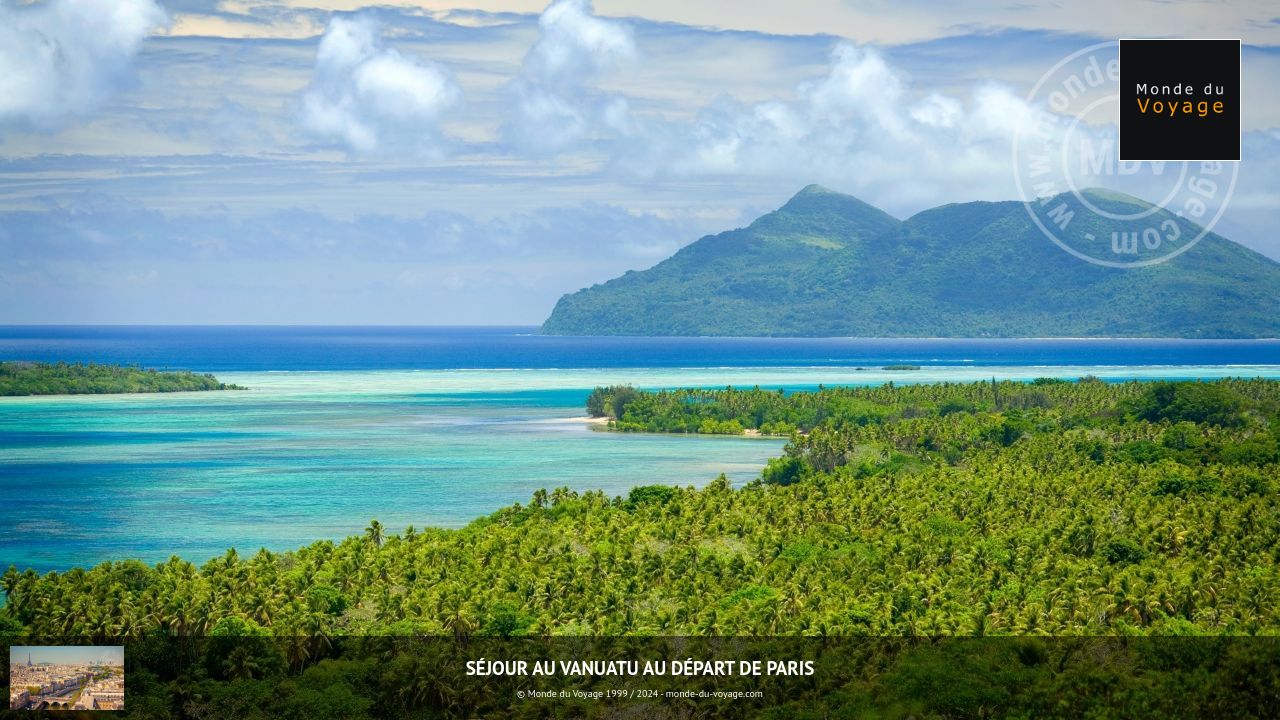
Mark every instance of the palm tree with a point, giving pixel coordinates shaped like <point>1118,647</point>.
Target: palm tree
<point>374,533</point>
<point>241,664</point>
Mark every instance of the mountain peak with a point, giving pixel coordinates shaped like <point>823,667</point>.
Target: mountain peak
<point>819,199</point>
<point>820,217</point>
<point>815,189</point>
<point>811,195</point>
<point>1101,194</point>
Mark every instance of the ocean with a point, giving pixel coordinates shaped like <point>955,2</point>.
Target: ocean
<point>423,426</point>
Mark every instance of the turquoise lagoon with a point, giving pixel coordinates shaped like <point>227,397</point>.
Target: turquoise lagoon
<point>304,456</point>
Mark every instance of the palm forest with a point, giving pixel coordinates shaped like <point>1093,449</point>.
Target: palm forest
<point>1107,543</point>
<point>62,378</point>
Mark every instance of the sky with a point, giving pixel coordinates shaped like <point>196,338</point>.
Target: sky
<point>67,654</point>
<point>428,162</point>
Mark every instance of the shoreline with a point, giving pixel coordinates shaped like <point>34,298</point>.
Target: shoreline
<point>603,423</point>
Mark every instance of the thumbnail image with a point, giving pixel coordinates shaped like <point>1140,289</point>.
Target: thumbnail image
<point>79,677</point>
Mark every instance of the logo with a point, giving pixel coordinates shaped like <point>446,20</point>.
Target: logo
<point>1083,197</point>
<point>1180,99</point>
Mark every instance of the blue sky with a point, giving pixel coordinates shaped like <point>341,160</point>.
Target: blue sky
<point>316,161</point>
<point>67,654</point>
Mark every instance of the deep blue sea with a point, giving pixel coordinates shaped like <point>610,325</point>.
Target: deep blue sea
<point>423,426</point>
<point>440,348</point>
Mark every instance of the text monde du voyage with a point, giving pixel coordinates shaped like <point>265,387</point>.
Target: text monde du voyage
<point>1180,99</point>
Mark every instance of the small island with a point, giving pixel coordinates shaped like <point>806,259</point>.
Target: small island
<point>39,378</point>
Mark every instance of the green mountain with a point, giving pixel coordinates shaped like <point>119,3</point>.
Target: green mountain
<point>827,264</point>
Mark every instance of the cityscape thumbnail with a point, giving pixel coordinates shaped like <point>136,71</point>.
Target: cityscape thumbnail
<point>66,677</point>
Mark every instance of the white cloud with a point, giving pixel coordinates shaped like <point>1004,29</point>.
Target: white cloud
<point>556,104</point>
<point>574,44</point>
<point>937,111</point>
<point>60,59</point>
<point>859,86</point>
<point>373,100</point>
<point>860,127</point>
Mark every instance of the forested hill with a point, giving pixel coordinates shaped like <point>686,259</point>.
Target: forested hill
<point>827,264</point>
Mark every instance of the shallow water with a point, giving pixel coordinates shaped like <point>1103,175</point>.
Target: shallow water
<point>93,478</point>
<point>319,451</point>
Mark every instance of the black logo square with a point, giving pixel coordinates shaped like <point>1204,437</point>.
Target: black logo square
<point>1180,99</point>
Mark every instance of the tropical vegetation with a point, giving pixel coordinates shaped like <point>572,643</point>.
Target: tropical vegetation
<point>974,509</point>
<point>38,378</point>
<point>1136,518</point>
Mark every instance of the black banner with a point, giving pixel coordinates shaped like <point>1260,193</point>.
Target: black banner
<point>690,677</point>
